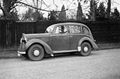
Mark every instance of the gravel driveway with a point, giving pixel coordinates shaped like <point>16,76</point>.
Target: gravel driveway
<point>102,64</point>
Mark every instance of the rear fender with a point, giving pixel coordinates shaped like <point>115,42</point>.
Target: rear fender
<point>45,45</point>
<point>92,42</point>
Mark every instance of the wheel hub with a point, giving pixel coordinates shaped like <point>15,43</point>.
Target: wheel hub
<point>85,49</point>
<point>36,52</point>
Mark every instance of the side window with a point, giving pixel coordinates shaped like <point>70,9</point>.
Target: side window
<point>75,29</point>
<point>61,29</point>
<point>85,30</point>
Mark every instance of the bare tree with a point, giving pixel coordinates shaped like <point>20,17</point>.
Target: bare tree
<point>92,8</point>
<point>7,7</point>
<point>27,15</point>
<point>35,7</point>
<point>53,15</point>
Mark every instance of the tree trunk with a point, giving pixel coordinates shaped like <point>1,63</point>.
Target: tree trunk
<point>92,9</point>
<point>108,8</point>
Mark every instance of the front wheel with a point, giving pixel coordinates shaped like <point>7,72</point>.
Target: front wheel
<point>85,49</point>
<point>35,52</point>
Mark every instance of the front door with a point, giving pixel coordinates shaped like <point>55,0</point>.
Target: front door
<point>60,39</point>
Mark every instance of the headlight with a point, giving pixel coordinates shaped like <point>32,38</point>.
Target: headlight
<point>23,40</point>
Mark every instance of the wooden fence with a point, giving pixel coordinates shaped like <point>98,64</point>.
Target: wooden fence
<point>10,31</point>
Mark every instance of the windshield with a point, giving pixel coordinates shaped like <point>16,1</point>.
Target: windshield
<point>49,29</point>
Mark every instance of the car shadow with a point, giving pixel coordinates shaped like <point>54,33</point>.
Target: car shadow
<point>57,55</point>
<point>8,57</point>
<point>48,57</point>
<point>62,55</point>
<point>67,55</point>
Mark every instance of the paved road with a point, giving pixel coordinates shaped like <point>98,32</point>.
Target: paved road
<point>102,64</point>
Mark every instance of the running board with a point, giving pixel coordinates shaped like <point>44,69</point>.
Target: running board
<point>63,51</point>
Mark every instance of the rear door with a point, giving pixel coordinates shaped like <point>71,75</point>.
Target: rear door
<point>75,36</point>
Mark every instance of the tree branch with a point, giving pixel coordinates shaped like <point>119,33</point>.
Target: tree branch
<point>2,9</point>
<point>36,7</point>
<point>32,6</point>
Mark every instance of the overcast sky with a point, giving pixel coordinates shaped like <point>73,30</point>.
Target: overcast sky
<point>69,4</point>
<point>57,4</point>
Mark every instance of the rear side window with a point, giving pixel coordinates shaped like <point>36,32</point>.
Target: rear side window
<point>74,29</point>
<point>85,30</point>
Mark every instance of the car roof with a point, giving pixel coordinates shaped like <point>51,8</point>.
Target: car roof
<point>69,23</point>
<point>73,23</point>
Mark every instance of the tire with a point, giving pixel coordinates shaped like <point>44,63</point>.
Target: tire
<point>85,49</point>
<point>35,52</point>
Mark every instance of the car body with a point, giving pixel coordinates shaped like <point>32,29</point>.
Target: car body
<point>58,38</point>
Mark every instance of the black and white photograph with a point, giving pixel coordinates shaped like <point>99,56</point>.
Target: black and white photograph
<point>59,39</point>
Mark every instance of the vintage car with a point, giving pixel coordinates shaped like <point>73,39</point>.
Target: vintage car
<point>58,38</point>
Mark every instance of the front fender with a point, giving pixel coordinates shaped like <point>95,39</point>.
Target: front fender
<point>45,45</point>
<point>92,42</point>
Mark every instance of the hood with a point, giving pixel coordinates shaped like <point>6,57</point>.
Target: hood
<point>36,35</point>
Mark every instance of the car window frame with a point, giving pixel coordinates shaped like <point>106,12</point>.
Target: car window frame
<point>46,31</point>
<point>89,32</point>
<point>55,27</point>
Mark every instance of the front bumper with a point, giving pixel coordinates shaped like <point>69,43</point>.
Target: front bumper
<point>21,49</point>
<point>20,52</point>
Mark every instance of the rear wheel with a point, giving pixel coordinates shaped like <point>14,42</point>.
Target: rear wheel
<point>85,49</point>
<point>35,52</point>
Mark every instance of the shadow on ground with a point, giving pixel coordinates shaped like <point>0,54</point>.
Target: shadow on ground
<point>13,55</point>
